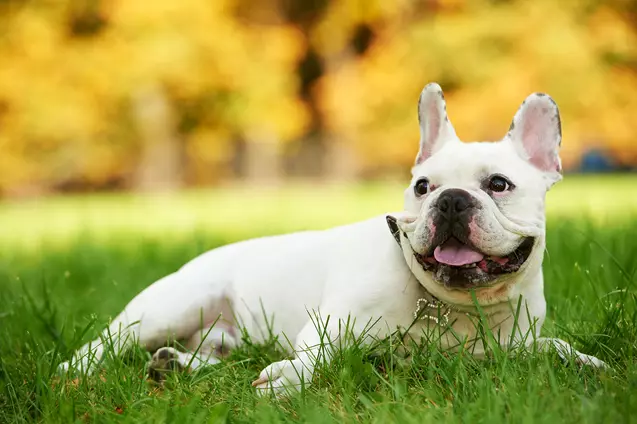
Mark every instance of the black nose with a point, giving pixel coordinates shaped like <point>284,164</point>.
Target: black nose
<point>454,201</point>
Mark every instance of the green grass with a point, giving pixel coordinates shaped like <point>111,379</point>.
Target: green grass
<point>69,264</point>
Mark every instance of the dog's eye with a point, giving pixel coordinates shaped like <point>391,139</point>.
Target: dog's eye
<point>422,187</point>
<point>499,184</point>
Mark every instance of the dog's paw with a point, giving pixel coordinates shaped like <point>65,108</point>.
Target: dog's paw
<point>566,352</point>
<point>281,378</point>
<point>166,360</point>
<point>591,361</point>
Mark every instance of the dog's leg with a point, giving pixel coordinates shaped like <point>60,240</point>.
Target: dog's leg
<point>205,348</point>
<point>172,308</point>
<point>566,351</point>
<point>313,344</point>
<point>289,376</point>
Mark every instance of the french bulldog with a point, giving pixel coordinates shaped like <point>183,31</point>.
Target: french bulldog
<point>469,244</point>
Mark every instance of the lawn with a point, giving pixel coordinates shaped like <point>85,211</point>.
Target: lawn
<point>69,264</point>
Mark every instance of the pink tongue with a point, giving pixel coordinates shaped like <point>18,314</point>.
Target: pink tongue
<point>454,253</point>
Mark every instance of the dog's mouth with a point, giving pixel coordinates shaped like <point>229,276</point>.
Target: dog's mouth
<point>459,265</point>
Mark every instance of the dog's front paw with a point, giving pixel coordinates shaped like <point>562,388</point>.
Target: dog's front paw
<point>583,359</point>
<point>166,360</point>
<point>282,378</point>
<point>566,352</point>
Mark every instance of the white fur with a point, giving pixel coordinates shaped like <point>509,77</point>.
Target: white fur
<point>276,284</point>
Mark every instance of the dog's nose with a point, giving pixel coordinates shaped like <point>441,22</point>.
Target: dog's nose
<point>454,201</point>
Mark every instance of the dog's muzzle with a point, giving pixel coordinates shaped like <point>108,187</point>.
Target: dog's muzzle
<point>452,259</point>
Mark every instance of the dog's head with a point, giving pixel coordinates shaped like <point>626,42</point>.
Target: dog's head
<point>474,212</point>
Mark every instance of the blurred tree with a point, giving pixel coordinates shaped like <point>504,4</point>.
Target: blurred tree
<point>487,56</point>
<point>114,93</point>
<point>70,79</point>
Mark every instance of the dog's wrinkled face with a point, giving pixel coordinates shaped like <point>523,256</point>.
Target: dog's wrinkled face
<point>474,212</point>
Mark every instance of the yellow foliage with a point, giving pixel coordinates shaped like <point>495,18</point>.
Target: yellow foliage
<point>488,58</point>
<point>68,99</point>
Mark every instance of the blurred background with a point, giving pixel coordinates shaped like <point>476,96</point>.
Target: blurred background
<point>156,97</point>
<point>138,95</point>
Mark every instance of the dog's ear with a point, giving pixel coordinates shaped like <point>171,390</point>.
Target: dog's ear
<point>435,128</point>
<point>536,132</point>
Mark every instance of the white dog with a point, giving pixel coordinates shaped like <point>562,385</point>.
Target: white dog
<point>470,242</point>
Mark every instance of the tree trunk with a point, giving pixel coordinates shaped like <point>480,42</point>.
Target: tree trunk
<point>340,160</point>
<point>262,162</point>
<point>160,164</point>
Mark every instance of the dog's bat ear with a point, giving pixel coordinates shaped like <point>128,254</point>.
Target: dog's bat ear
<point>435,128</point>
<point>536,132</point>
